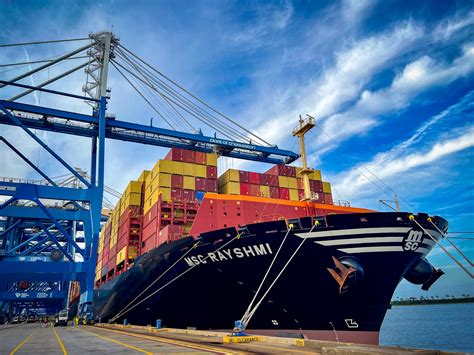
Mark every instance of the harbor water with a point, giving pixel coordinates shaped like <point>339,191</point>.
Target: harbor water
<point>440,326</point>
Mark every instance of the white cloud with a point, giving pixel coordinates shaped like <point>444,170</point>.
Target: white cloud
<point>387,166</point>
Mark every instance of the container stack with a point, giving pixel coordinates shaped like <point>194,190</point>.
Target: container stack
<point>279,182</point>
<point>171,195</point>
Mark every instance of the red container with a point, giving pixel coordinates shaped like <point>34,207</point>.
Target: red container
<point>318,197</point>
<point>243,176</point>
<point>327,198</point>
<point>254,190</point>
<point>149,231</point>
<point>273,180</point>
<point>200,158</point>
<point>123,241</point>
<point>211,185</point>
<point>265,179</point>
<point>282,170</point>
<point>316,185</point>
<point>189,195</point>
<point>200,184</point>
<point>254,178</point>
<point>189,156</point>
<point>211,172</point>
<point>299,183</point>
<point>176,194</point>
<point>244,189</point>
<point>176,181</point>
<point>175,154</point>
<point>274,192</point>
<point>284,193</point>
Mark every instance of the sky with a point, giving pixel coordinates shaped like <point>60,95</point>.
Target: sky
<point>390,84</point>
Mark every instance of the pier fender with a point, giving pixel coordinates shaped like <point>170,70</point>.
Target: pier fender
<point>423,273</point>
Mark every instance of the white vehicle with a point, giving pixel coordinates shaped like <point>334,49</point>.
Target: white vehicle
<point>62,317</point>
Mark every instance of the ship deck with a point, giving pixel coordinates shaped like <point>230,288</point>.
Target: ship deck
<point>36,338</point>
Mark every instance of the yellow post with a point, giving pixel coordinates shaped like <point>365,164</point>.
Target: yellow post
<point>305,126</point>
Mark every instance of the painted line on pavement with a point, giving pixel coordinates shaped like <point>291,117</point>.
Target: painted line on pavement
<point>60,342</point>
<point>182,343</point>
<point>118,342</point>
<point>21,344</point>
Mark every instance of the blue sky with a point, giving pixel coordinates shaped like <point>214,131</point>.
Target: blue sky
<point>389,82</point>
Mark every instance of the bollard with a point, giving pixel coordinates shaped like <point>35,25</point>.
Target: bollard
<point>158,324</point>
<point>125,322</point>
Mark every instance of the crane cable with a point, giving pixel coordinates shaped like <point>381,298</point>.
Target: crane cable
<point>190,107</point>
<point>197,98</point>
<point>124,309</point>
<point>248,316</point>
<point>177,277</point>
<point>454,246</point>
<point>412,218</point>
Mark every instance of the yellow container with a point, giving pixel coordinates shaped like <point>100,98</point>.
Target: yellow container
<point>133,187</point>
<point>189,169</point>
<point>231,188</point>
<point>292,183</point>
<point>177,167</point>
<point>113,240</point>
<point>164,180</point>
<point>132,199</point>
<point>152,199</point>
<point>211,159</point>
<point>228,176</point>
<point>201,171</point>
<point>148,180</point>
<point>132,252</point>
<point>99,265</point>
<point>264,191</point>
<point>121,255</point>
<point>326,187</point>
<point>143,175</point>
<point>97,274</point>
<point>162,166</point>
<point>294,195</point>
<point>316,175</point>
<point>165,193</point>
<point>283,181</point>
<point>189,183</point>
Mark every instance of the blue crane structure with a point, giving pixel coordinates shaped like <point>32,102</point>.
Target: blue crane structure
<point>41,222</point>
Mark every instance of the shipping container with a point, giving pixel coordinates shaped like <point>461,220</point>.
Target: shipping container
<point>189,156</point>
<point>143,175</point>
<point>264,191</point>
<point>211,172</point>
<point>316,185</point>
<point>244,188</point>
<point>175,154</point>
<point>189,183</point>
<point>200,184</point>
<point>201,171</point>
<point>189,169</point>
<point>189,195</point>
<point>282,170</point>
<point>231,188</point>
<point>228,176</point>
<point>211,159</point>
<point>316,175</point>
<point>243,177</point>
<point>274,192</point>
<point>293,195</point>
<point>326,187</point>
<point>176,194</point>
<point>255,190</point>
<point>292,183</point>
<point>284,193</point>
<point>254,178</point>
<point>201,158</point>
<point>176,181</point>
<point>211,185</point>
<point>283,181</point>
<point>327,198</point>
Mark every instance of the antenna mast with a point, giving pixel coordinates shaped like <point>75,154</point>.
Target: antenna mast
<point>304,126</point>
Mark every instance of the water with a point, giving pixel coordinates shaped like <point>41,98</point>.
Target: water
<point>439,326</point>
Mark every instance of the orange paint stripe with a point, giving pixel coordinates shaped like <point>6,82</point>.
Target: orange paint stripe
<point>214,196</point>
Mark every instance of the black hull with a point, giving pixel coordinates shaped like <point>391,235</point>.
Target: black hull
<point>306,300</point>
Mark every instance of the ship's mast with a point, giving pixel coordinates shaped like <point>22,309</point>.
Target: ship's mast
<point>304,126</point>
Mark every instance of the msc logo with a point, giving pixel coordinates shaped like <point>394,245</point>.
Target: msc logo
<point>413,240</point>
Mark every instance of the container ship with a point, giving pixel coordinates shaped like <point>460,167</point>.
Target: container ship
<point>194,249</point>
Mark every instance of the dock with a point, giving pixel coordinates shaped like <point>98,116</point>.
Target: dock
<point>38,338</point>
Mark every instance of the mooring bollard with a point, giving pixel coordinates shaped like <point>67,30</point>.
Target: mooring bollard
<point>158,324</point>
<point>125,322</point>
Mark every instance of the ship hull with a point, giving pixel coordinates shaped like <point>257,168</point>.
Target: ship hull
<point>214,283</point>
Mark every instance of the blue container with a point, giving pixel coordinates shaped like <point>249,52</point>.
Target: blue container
<point>125,322</point>
<point>158,324</point>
